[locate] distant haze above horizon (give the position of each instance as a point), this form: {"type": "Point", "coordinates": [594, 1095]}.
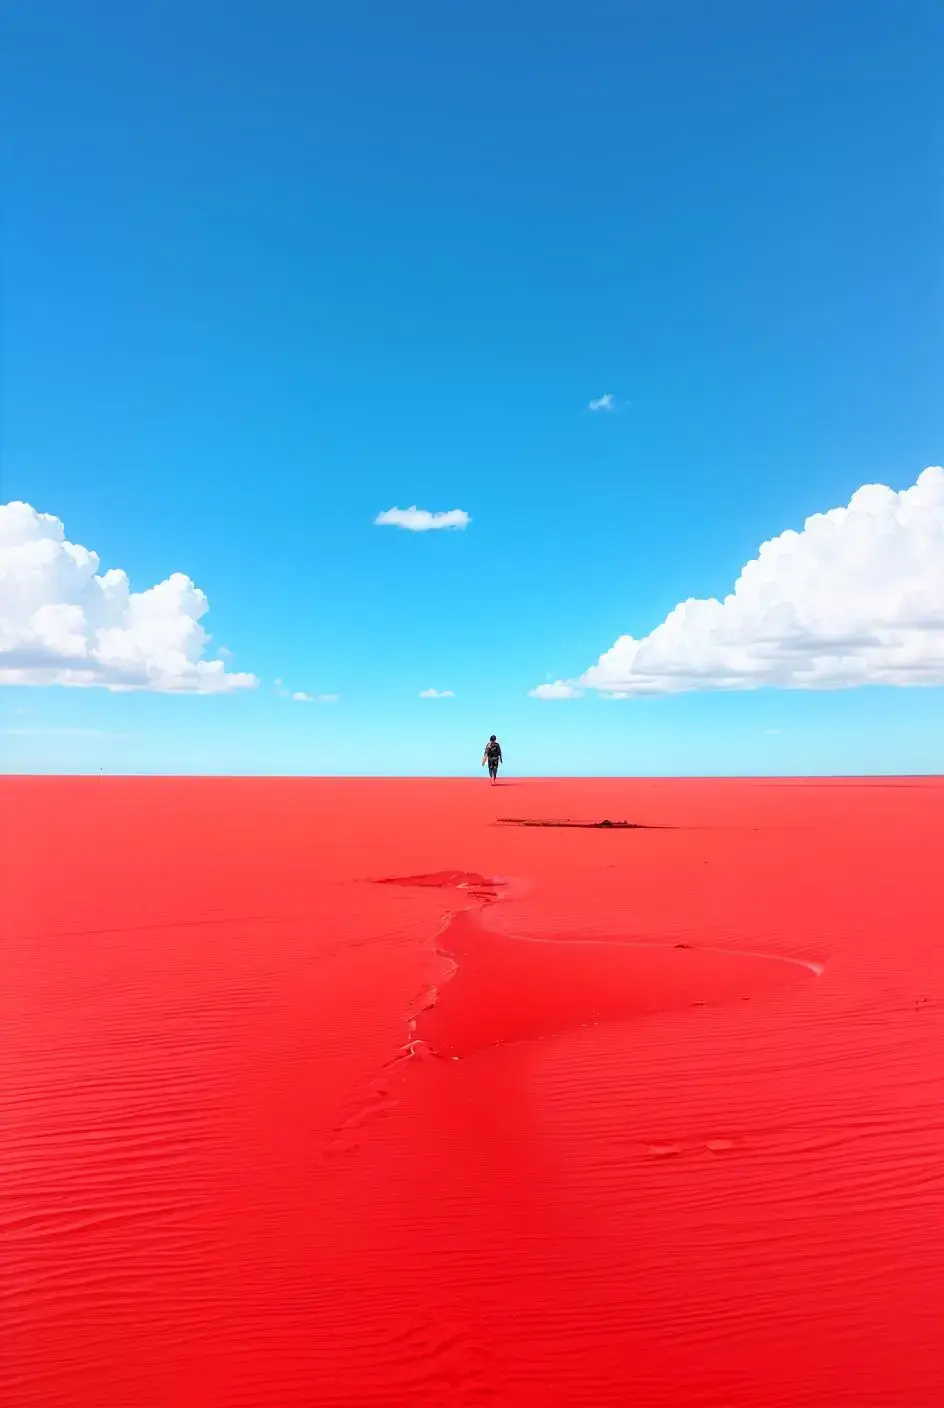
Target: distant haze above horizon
{"type": "Point", "coordinates": [377, 379]}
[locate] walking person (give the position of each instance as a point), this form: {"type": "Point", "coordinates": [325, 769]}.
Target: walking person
{"type": "Point", "coordinates": [492, 756]}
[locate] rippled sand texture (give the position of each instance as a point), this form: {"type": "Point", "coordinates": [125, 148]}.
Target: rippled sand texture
{"type": "Point", "coordinates": [643, 1115]}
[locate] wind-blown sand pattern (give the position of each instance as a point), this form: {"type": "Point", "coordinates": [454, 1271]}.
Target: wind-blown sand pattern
{"type": "Point", "coordinates": [355, 1092]}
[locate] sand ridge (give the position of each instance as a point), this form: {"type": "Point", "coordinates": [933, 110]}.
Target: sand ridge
{"type": "Point", "coordinates": [500, 992]}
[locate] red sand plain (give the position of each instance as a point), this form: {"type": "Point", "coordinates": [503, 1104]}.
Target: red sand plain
{"type": "Point", "coordinates": [574, 1116]}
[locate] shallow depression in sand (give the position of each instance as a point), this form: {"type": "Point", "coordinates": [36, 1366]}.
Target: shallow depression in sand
{"type": "Point", "coordinates": [511, 989]}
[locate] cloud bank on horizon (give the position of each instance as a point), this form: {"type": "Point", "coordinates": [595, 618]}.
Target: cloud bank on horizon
{"type": "Point", "coordinates": [63, 623]}
{"type": "Point", "coordinates": [854, 598]}
{"type": "Point", "coordinates": [420, 520]}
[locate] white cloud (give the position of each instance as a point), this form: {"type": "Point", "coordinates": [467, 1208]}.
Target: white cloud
{"type": "Point", "coordinates": [420, 520]}
{"type": "Point", "coordinates": [436, 694]}
{"type": "Point", "coordinates": [606, 402]}
{"type": "Point", "coordinates": [300, 696]}
{"type": "Point", "coordinates": [855, 598]}
{"type": "Point", "coordinates": [560, 689]}
{"type": "Point", "coordinates": [63, 623]}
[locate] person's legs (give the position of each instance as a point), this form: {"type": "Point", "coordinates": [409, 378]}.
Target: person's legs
{"type": "Point", "coordinates": [492, 772]}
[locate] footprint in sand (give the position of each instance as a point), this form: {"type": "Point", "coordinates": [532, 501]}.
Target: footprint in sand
{"type": "Point", "coordinates": [668, 1151]}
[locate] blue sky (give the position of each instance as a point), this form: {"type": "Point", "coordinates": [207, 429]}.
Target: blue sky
{"type": "Point", "coordinates": [271, 270]}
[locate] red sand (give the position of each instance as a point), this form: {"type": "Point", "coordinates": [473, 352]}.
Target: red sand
{"type": "Point", "coordinates": [691, 1151]}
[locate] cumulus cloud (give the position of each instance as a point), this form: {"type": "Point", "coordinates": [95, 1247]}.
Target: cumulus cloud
{"type": "Point", "coordinates": [560, 689]}
{"type": "Point", "coordinates": [854, 598]}
{"type": "Point", "coordinates": [61, 622]}
{"type": "Point", "coordinates": [420, 520]}
{"type": "Point", "coordinates": [436, 694]}
{"type": "Point", "coordinates": [300, 697]}
{"type": "Point", "coordinates": [606, 402]}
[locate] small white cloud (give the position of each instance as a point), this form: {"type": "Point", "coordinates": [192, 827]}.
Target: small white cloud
{"type": "Point", "coordinates": [300, 696]}
{"type": "Point", "coordinates": [606, 402]}
{"type": "Point", "coordinates": [436, 694]}
{"type": "Point", "coordinates": [771, 730]}
{"type": "Point", "coordinates": [420, 520]}
{"type": "Point", "coordinates": [560, 689]}
{"type": "Point", "coordinates": [63, 623]}
{"type": "Point", "coordinates": [856, 597]}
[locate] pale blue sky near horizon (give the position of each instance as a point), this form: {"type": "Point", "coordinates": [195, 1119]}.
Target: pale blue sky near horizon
{"type": "Point", "coordinates": [269, 270]}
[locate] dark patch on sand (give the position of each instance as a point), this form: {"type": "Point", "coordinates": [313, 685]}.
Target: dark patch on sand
{"type": "Point", "coordinates": [479, 887]}
{"type": "Point", "coordinates": [605, 825]}
{"type": "Point", "coordinates": [440, 880]}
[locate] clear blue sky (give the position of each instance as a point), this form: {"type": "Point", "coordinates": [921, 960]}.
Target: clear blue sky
{"type": "Point", "coordinates": [272, 268]}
